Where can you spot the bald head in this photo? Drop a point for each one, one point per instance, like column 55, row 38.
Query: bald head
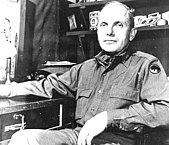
column 115, row 7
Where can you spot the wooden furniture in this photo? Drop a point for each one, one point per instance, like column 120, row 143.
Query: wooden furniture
column 17, row 21
column 33, row 30
column 24, row 112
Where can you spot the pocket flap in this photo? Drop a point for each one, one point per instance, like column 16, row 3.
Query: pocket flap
column 83, row 93
column 126, row 93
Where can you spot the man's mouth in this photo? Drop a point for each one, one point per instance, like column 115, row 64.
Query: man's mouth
column 110, row 41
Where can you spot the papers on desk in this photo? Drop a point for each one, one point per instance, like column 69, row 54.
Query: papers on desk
column 59, row 63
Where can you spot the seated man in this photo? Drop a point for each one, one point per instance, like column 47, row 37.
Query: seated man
column 117, row 92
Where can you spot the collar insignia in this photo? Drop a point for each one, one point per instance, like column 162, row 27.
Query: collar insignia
column 155, row 69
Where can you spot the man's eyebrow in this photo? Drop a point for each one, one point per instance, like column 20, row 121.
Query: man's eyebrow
column 103, row 22
column 116, row 22
column 123, row 22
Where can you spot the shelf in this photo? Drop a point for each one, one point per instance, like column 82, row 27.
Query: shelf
column 103, row 2
column 136, row 3
column 153, row 28
column 95, row 3
column 74, row 33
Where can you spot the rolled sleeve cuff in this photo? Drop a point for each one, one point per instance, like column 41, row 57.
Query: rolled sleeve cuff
column 119, row 118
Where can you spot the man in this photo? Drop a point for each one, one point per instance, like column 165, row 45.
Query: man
column 118, row 92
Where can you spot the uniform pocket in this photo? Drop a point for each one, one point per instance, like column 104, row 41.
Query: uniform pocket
column 125, row 93
column 82, row 99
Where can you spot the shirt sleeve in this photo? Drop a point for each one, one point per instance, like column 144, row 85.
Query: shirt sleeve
column 153, row 108
column 64, row 84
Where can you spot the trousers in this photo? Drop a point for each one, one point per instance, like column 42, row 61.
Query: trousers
column 67, row 137
column 44, row 137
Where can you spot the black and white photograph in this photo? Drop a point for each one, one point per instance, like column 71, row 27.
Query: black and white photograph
column 84, row 72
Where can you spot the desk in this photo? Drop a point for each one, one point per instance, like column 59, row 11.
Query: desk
column 24, row 112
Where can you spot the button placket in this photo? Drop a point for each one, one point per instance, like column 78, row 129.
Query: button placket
column 97, row 100
column 96, row 103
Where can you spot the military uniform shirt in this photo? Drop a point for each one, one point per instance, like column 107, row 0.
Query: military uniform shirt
column 132, row 87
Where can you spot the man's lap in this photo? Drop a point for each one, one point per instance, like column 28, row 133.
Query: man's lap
column 44, row 137
column 67, row 137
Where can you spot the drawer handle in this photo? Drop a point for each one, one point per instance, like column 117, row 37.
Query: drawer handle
column 18, row 126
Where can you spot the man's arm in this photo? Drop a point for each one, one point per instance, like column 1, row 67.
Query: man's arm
column 153, row 108
column 64, row 84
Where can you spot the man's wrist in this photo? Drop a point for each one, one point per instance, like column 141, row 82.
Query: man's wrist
column 115, row 116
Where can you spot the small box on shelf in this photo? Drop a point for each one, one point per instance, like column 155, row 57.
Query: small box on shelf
column 93, row 20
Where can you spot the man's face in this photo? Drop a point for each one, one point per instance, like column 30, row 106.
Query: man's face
column 113, row 29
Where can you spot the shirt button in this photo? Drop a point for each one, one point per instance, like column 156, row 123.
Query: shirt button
column 93, row 109
column 100, row 91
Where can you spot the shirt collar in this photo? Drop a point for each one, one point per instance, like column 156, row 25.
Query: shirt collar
column 104, row 59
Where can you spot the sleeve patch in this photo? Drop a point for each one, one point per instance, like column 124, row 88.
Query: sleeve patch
column 155, row 69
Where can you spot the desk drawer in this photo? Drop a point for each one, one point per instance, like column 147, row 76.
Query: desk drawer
column 44, row 118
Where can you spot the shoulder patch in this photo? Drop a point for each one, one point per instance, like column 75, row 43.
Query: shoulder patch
column 155, row 69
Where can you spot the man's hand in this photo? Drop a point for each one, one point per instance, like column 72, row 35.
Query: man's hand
column 4, row 91
column 92, row 127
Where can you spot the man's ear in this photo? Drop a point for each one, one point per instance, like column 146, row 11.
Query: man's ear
column 133, row 33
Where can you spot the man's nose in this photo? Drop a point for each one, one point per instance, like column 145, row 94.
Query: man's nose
column 110, row 32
